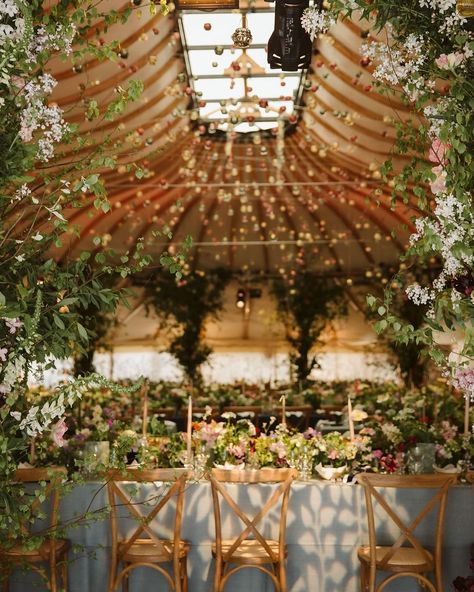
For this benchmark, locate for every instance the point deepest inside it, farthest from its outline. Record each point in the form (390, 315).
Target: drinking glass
(416, 460)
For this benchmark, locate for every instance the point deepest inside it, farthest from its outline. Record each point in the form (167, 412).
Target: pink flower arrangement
(13, 325)
(464, 380)
(58, 431)
(449, 61)
(209, 432)
(439, 184)
(437, 151)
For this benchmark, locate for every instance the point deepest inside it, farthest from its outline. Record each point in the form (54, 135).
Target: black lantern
(289, 47)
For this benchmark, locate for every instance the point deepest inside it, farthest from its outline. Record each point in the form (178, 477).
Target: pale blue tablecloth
(326, 524)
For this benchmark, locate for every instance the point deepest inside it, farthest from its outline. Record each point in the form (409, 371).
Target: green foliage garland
(185, 305)
(306, 304)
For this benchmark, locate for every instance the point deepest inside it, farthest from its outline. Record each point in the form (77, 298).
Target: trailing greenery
(411, 359)
(185, 305)
(306, 304)
(44, 299)
(426, 59)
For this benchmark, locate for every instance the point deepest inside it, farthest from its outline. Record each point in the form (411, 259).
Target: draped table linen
(326, 524)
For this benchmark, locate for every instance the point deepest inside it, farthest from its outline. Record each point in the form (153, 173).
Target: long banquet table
(326, 523)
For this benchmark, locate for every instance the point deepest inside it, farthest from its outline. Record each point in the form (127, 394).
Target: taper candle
(32, 459)
(189, 430)
(145, 410)
(467, 404)
(283, 410)
(351, 421)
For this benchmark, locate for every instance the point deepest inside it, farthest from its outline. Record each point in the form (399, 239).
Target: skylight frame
(296, 97)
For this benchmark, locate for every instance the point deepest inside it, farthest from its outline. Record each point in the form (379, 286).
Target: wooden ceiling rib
(314, 226)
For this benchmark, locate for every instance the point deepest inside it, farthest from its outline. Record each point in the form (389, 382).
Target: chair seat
(249, 551)
(404, 559)
(148, 550)
(19, 553)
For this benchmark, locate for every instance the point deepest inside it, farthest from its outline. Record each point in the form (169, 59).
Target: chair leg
(372, 570)
(112, 573)
(184, 575)
(125, 579)
(438, 579)
(53, 577)
(64, 574)
(282, 577)
(363, 577)
(5, 575)
(217, 575)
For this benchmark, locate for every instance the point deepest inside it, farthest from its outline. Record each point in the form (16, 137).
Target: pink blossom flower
(377, 453)
(58, 431)
(450, 61)
(279, 448)
(439, 184)
(26, 133)
(13, 325)
(211, 431)
(333, 454)
(3, 354)
(437, 150)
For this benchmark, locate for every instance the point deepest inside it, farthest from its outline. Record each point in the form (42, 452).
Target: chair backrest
(51, 477)
(306, 412)
(244, 411)
(165, 412)
(220, 493)
(439, 483)
(199, 412)
(120, 497)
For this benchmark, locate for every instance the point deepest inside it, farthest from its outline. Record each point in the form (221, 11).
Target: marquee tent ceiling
(263, 201)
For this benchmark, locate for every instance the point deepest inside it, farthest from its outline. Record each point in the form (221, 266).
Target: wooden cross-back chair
(51, 551)
(165, 412)
(199, 412)
(399, 559)
(144, 548)
(244, 411)
(250, 548)
(298, 416)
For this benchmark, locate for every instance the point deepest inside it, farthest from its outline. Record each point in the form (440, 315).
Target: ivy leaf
(59, 322)
(82, 332)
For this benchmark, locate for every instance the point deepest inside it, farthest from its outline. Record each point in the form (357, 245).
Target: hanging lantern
(242, 36)
(289, 47)
(207, 4)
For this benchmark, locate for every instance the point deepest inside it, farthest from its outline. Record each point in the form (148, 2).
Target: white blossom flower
(400, 64)
(419, 294)
(316, 21)
(9, 8)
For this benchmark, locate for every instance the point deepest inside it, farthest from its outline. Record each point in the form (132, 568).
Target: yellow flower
(359, 415)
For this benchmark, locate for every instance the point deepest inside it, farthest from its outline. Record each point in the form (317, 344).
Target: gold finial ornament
(242, 36)
(465, 8)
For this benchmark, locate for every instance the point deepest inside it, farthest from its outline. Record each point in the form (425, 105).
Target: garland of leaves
(42, 302)
(427, 60)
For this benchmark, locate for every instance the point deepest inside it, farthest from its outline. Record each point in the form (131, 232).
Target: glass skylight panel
(213, 80)
(261, 24)
(219, 88)
(201, 61)
(270, 87)
(222, 27)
